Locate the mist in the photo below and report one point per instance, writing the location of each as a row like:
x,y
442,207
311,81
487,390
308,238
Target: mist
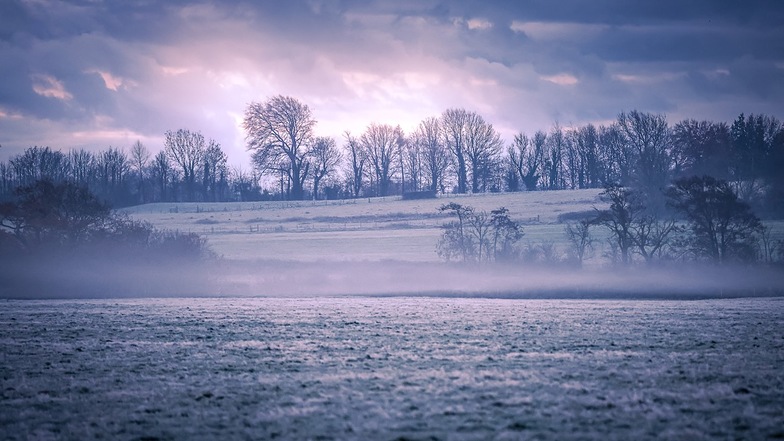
x,y
94,277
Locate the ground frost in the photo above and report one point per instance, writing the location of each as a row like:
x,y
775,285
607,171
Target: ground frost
x,y
394,368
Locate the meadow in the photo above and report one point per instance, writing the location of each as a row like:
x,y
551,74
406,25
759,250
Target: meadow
x,y
367,229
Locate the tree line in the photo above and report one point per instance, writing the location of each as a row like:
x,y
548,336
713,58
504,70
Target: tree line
x,y
703,219
455,152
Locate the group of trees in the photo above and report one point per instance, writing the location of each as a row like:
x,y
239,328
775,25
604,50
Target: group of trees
x,y
476,236
460,152
189,168
59,238
703,220
456,152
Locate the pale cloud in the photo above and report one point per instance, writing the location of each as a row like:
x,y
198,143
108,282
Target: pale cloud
x,y
556,30
479,23
112,82
561,79
651,78
50,87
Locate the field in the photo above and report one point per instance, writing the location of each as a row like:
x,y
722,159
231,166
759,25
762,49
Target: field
x,y
391,369
355,230
335,321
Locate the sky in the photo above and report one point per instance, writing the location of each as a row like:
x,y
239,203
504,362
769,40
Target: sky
x,y
93,74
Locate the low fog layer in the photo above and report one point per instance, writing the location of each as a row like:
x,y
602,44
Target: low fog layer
x,y
438,279
95,279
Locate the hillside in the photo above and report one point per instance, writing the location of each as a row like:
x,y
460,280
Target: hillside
x,y
363,229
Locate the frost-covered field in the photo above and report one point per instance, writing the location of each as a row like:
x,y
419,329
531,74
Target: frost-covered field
x,y
355,230
392,368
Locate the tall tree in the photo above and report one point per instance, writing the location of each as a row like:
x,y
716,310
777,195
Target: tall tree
x,y
382,144
649,138
453,122
215,172
626,207
162,174
356,164
82,165
753,140
526,158
701,148
554,162
724,228
482,147
186,149
279,133
435,158
325,158
113,167
39,163
140,156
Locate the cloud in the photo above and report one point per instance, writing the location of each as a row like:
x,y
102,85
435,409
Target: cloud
x,y
50,87
121,70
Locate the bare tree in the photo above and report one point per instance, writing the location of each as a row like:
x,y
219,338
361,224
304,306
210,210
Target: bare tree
x,y
526,156
435,158
279,132
652,236
382,144
356,164
554,162
215,172
579,236
162,174
453,122
140,156
482,147
39,163
723,227
113,168
82,166
325,158
625,208
186,149
649,139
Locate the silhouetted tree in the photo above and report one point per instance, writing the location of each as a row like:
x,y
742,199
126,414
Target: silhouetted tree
x,y
625,207
325,158
506,234
215,172
279,133
140,157
723,226
186,149
456,241
435,158
648,137
382,144
580,238
453,122
482,147
356,164
701,148
53,214
477,237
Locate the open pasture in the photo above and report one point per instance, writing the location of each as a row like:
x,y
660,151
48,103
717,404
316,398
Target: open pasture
x,y
363,229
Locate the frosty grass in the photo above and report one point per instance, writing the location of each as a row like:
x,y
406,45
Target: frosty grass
x,y
392,368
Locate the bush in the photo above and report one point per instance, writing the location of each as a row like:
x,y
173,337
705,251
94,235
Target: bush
x,y
60,239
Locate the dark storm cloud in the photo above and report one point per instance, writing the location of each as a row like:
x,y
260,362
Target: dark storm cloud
x,y
94,73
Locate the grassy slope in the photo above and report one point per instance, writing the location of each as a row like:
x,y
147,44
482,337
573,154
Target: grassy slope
x,y
364,229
